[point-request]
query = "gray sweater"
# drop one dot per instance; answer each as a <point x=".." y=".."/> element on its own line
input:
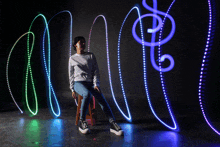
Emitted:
<point x="83" y="67"/>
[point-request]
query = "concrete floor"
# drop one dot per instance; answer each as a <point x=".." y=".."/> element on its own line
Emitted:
<point x="43" y="130"/>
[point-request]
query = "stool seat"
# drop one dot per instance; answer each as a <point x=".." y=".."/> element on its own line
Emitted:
<point x="88" y="116"/>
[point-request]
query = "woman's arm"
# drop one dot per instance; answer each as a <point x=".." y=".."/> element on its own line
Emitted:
<point x="71" y="75"/>
<point x="96" y="75"/>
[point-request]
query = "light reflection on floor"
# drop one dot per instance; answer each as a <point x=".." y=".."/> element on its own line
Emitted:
<point x="133" y="137"/>
<point x="22" y="130"/>
<point x="40" y="132"/>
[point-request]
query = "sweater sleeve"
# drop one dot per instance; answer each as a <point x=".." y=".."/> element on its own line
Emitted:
<point x="96" y="75"/>
<point x="71" y="75"/>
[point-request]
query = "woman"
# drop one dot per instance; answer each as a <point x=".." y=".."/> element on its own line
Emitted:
<point x="84" y="80"/>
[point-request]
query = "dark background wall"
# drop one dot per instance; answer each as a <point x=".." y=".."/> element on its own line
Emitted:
<point x="186" y="47"/>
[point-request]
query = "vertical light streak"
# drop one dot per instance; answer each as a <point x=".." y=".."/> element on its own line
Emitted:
<point x="202" y="78"/>
<point x="119" y="62"/>
<point x="48" y="69"/>
<point x="162" y="58"/>
<point x="129" y="118"/>
<point x="9" y="56"/>
<point x="29" y="53"/>
<point x="109" y="69"/>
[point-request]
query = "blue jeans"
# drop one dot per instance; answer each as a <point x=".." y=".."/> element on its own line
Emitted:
<point x="86" y="89"/>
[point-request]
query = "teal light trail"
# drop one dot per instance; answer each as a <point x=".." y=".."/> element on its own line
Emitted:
<point x="48" y="66"/>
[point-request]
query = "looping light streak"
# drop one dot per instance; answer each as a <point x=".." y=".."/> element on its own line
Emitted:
<point x="71" y="26"/>
<point x="202" y="78"/>
<point x="70" y="47"/>
<point x="152" y="44"/>
<point x="47" y="68"/>
<point x="29" y="53"/>
<point x="119" y="62"/>
<point x="129" y="118"/>
<point x="50" y="87"/>
<point x="154" y="29"/>
<point x="161" y="58"/>
<point x="9" y="56"/>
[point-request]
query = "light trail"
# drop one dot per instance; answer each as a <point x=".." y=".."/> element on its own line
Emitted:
<point x="9" y="57"/>
<point x="202" y="77"/>
<point x="152" y="44"/>
<point x="46" y="65"/>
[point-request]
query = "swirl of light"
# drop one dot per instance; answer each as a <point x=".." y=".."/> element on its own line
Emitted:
<point x="155" y="29"/>
<point x="202" y="78"/>
<point x="9" y="56"/>
<point x="152" y="44"/>
<point x="161" y="59"/>
<point x="48" y="69"/>
<point x="29" y="53"/>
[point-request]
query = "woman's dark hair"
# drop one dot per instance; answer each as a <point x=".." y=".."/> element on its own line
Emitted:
<point x="76" y="39"/>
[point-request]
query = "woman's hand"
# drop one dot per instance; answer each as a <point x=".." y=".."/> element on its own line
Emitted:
<point x="74" y="95"/>
<point x="97" y="88"/>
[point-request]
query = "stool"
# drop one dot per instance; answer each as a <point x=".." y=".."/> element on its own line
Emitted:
<point x="88" y="116"/>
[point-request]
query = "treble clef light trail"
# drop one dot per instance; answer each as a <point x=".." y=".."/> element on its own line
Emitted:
<point x="202" y="77"/>
<point x="9" y="57"/>
<point x="152" y="44"/>
<point x="162" y="58"/>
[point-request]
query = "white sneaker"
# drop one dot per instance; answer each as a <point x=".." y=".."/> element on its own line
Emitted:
<point x="116" y="129"/>
<point x="83" y="127"/>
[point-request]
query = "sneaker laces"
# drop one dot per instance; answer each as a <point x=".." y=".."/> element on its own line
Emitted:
<point x="84" y="124"/>
<point x="116" y="125"/>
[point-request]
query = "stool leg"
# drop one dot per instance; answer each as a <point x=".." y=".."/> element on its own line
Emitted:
<point x="78" y="111"/>
<point x="78" y="108"/>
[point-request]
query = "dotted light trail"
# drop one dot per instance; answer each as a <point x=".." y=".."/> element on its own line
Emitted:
<point x="9" y="56"/>
<point x="70" y="34"/>
<point x="151" y="44"/>
<point x="202" y="77"/>
<point x="162" y="58"/>
<point x="29" y="71"/>
<point x="47" y="65"/>
<point x="119" y="62"/>
<point x="47" y="69"/>
<point x="129" y="118"/>
<point x="29" y="53"/>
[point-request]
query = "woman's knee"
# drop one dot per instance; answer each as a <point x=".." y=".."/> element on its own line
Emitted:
<point x="81" y="89"/>
<point x="86" y="95"/>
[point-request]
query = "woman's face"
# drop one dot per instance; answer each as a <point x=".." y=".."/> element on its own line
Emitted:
<point x="80" y="45"/>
